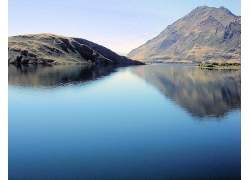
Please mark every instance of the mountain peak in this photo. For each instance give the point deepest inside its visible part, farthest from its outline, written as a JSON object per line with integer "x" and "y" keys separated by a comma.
{"x": 202, "y": 7}
{"x": 226, "y": 10}
{"x": 216, "y": 30}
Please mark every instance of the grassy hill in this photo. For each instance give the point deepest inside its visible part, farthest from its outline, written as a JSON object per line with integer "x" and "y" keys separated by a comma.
{"x": 55, "y": 49}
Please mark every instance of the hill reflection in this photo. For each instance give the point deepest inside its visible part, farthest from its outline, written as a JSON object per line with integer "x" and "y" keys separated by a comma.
{"x": 203, "y": 93}
{"x": 54, "y": 76}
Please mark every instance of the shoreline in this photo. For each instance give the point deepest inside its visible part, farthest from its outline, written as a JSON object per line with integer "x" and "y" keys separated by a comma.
{"x": 222, "y": 67}
{"x": 226, "y": 66}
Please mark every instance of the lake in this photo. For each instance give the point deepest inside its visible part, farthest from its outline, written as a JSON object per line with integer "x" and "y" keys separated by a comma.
{"x": 158, "y": 121}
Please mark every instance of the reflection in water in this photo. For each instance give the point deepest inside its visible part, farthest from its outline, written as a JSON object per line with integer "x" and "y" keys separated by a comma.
{"x": 53, "y": 76}
{"x": 120, "y": 126}
{"x": 203, "y": 93}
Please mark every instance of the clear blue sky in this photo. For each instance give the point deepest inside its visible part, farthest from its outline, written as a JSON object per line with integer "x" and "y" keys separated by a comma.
{"x": 119, "y": 25}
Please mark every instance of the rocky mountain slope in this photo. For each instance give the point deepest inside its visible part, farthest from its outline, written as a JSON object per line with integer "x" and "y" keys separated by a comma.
{"x": 55, "y": 49}
{"x": 205, "y": 34}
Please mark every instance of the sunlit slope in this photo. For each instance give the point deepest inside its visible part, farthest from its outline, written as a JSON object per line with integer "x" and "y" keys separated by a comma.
{"x": 205, "y": 34}
{"x": 53, "y": 49}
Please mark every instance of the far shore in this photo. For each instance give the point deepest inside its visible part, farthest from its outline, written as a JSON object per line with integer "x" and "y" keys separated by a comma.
{"x": 204, "y": 65}
{"x": 236, "y": 66}
{"x": 222, "y": 67}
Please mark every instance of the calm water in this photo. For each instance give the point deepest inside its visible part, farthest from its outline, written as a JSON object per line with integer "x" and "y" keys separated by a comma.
{"x": 142, "y": 122}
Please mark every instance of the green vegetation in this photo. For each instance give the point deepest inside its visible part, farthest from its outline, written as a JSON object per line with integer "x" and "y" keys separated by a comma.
{"x": 223, "y": 65}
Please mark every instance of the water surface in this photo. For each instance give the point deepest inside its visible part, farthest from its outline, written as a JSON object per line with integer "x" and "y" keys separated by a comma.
{"x": 140, "y": 122}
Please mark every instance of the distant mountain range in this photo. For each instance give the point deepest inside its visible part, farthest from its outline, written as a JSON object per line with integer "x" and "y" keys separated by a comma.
{"x": 205, "y": 34}
{"x": 55, "y": 49}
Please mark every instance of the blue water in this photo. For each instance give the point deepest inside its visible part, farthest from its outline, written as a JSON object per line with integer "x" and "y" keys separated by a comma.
{"x": 119, "y": 123}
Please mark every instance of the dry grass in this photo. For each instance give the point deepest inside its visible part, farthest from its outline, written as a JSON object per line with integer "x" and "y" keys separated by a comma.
{"x": 198, "y": 36}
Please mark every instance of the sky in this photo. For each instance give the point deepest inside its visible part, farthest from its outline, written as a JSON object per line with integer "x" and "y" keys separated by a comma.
{"x": 116, "y": 24}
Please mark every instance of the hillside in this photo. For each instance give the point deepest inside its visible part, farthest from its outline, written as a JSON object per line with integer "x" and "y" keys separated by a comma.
{"x": 55, "y": 49}
{"x": 205, "y": 34}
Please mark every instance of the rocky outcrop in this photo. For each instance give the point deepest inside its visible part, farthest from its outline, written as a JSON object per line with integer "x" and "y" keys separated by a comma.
{"x": 55, "y": 49}
{"x": 205, "y": 34}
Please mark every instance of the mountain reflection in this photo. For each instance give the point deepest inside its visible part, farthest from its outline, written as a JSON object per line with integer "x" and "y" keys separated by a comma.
{"x": 203, "y": 93}
{"x": 54, "y": 76}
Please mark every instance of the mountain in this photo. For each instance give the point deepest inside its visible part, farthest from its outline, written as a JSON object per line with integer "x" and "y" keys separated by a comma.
{"x": 55, "y": 49}
{"x": 205, "y": 34}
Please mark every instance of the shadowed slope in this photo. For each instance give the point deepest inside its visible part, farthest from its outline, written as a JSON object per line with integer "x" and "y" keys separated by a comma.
{"x": 205, "y": 34}
{"x": 55, "y": 49}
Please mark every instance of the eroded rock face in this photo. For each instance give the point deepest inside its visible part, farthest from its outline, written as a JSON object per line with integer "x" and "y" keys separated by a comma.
{"x": 54, "y": 49}
{"x": 205, "y": 34}
{"x": 104, "y": 61}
